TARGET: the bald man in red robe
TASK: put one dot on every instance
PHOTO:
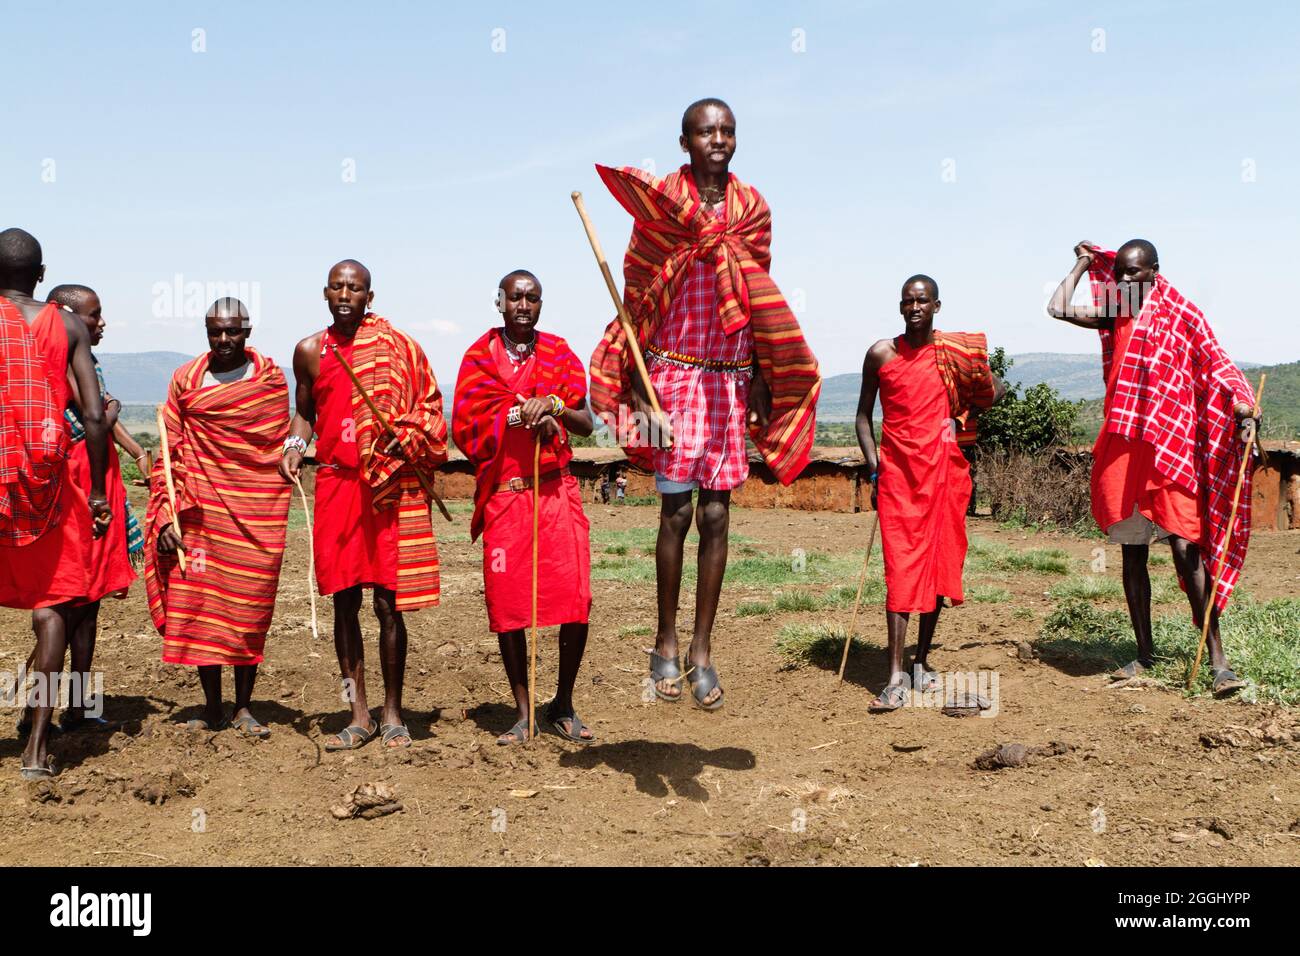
(930, 385)
(47, 520)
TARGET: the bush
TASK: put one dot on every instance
(1044, 490)
(1029, 422)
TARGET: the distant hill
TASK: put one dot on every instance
(1074, 376)
(140, 377)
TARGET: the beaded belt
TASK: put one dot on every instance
(525, 483)
(689, 361)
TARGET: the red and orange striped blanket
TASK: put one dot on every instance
(484, 399)
(963, 360)
(396, 373)
(672, 230)
(225, 444)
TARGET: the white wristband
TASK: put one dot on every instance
(297, 444)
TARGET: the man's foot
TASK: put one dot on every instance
(352, 737)
(41, 771)
(569, 725)
(1226, 683)
(666, 672)
(891, 698)
(207, 723)
(1129, 671)
(924, 679)
(516, 734)
(72, 721)
(249, 726)
(395, 736)
(705, 689)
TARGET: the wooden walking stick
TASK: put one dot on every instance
(165, 450)
(532, 636)
(311, 560)
(848, 640)
(425, 483)
(1227, 536)
(626, 320)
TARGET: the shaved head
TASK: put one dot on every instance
(518, 273)
(71, 296)
(353, 264)
(228, 307)
(1142, 246)
(20, 259)
(922, 277)
(699, 105)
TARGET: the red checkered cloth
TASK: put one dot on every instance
(34, 441)
(706, 407)
(1175, 390)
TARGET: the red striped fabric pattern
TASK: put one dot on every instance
(396, 373)
(963, 360)
(225, 443)
(483, 400)
(34, 441)
(673, 230)
(1176, 390)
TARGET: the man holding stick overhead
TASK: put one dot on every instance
(1167, 459)
(47, 519)
(369, 393)
(517, 387)
(931, 385)
(226, 418)
(724, 353)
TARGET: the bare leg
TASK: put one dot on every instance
(1196, 578)
(351, 654)
(392, 656)
(84, 621)
(896, 624)
(210, 679)
(925, 636)
(245, 677)
(514, 655)
(573, 641)
(51, 627)
(1137, 590)
(713, 517)
(675, 513)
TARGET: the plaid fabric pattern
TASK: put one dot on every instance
(33, 439)
(707, 408)
(1175, 390)
(673, 230)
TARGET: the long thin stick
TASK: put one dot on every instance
(425, 483)
(628, 331)
(853, 626)
(171, 489)
(311, 560)
(1227, 537)
(532, 641)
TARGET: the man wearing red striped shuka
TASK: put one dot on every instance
(1166, 461)
(227, 415)
(371, 525)
(518, 386)
(725, 355)
(47, 520)
(932, 386)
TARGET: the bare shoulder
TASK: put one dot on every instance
(879, 353)
(309, 345)
(306, 356)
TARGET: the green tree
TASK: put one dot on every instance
(1027, 421)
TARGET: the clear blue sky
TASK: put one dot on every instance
(227, 165)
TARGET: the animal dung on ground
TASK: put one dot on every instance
(367, 801)
(1018, 755)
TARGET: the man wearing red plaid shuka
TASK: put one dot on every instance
(1165, 462)
(725, 356)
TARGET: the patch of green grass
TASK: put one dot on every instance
(1023, 614)
(843, 595)
(1019, 520)
(795, 601)
(1261, 641)
(1089, 587)
(1159, 559)
(987, 594)
(993, 556)
(819, 645)
(754, 609)
(634, 630)
(625, 570)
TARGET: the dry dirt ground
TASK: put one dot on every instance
(790, 771)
